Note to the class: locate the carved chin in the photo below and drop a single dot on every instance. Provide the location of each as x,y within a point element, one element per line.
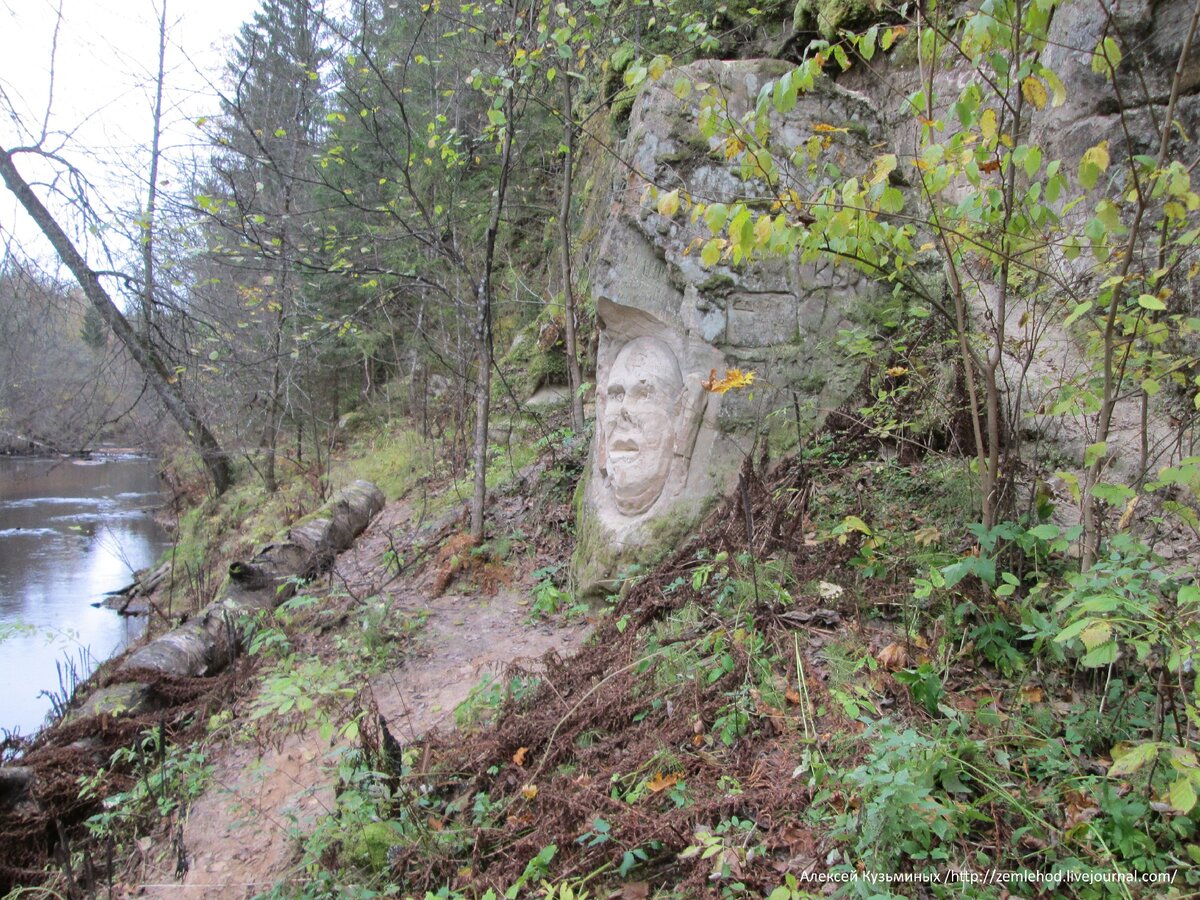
<point>636,482</point>
<point>635,500</point>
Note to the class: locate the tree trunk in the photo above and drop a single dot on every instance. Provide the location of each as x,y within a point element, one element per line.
<point>148,286</point>
<point>483,400</point>
<point>574,376</point>
<point>483,330</point>
<point>161,380</point>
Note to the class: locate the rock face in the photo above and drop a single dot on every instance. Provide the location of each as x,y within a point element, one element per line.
<point>665,447</point>
<point>1152,33</point>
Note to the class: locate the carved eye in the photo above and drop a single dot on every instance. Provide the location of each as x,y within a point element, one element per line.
<point>616,394</point>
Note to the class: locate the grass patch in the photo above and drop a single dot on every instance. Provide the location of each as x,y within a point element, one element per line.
<point>391,456</point>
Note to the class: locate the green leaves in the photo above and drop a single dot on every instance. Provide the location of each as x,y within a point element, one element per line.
<point>1094,453</point>
<point>1096,635</point>
<point>1181,795</point>
<point>1133,758</point>
<point>1094,162</point>
<point>711,254</point>
<point>668,204</point>
<point>786,91</point>
<point>1106,57</point>
<point>715,216</point>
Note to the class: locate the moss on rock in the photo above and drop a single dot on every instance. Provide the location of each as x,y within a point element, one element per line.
<point>828,17</point>
<point>536,358</point>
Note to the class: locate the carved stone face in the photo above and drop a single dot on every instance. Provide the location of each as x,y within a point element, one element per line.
<point>643,396</point>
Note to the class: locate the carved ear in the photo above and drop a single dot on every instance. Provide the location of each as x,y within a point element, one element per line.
<point>598,440</point>
<point>692,400</point>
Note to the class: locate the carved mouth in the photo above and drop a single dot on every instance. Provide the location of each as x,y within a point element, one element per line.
<point>622,446</point>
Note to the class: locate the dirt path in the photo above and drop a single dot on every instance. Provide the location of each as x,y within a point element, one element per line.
<point>240,837</point>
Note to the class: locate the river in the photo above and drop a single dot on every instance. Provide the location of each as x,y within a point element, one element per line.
<point>70,531</point>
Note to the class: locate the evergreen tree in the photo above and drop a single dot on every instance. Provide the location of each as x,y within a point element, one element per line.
<point>270,131</point>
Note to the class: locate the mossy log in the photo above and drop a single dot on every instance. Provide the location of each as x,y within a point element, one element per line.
<point>208,642</point>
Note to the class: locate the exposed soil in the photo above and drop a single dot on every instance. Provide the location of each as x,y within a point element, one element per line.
<point>240,837</point>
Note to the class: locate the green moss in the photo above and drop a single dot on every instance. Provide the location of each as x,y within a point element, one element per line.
<point>716,283</point>
<point>391,457</point>
<point>622,106</point>
<point>116,700</point>
<point>370,848</point>
<point>828,17</point>
<point>812,383</point>
<point>529,365</point>
<point>599,564</point>
<point>694,146</point>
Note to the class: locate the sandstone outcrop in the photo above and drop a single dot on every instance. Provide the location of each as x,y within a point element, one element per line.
<point>665,447</point>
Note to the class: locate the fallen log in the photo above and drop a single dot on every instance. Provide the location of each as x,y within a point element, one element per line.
<point>144,584</point>
<point>209,641</point>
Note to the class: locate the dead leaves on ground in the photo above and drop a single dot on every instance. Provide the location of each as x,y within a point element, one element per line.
<point>460,555</point>
<point>661,782</point>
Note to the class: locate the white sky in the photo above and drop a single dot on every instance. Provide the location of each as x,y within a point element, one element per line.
<point>103,86</point>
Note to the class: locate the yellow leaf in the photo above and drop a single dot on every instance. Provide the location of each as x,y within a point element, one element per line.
<point>897,371</point>
<point>821,127</point>
<point>893,657</point>
<point>927,535</point>
<point>660,782</point>
<point>1097,633</point>
<point>734,378</point>
<point>1097,156</point>
<point>519,756</point>
<point>668,204</point>
<point>762,230</point>
<point>987,125</point>
<point>529,791</point>
<point>1127,515</point>
<point>1034,91</point>
<point>884,166</point>
<point>711,254</point>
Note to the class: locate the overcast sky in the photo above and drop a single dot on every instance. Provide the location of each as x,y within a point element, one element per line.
<point>103,83</point>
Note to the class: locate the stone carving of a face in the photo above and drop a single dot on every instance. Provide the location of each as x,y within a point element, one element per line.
<point>644,397</point>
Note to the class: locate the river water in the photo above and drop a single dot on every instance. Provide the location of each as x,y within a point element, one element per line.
<point>70,530</point>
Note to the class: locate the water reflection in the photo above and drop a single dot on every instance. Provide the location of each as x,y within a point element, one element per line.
<point>69,532</point>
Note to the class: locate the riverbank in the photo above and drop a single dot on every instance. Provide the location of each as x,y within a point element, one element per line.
<point>71,531</point>
<point>216,530</point>
<point>48,452</point>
